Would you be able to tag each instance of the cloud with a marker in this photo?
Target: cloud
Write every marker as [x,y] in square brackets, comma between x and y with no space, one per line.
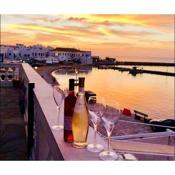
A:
[34,18]
[67,30]
[163,23]
[77,19]
[45,19]
[159,22]
[15,37]
[129,33]
[52,39]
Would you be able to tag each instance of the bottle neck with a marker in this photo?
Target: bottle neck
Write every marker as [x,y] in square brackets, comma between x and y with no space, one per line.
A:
[81,89]
[71,92]
[81,97]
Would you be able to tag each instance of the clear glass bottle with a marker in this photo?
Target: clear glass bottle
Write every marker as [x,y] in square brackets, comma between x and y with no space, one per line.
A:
[80,121]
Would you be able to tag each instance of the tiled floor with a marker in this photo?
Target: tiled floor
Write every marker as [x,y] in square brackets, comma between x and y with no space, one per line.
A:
[12,131]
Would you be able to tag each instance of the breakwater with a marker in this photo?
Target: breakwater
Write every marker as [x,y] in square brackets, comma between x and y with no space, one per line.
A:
[131,63]
[135,71]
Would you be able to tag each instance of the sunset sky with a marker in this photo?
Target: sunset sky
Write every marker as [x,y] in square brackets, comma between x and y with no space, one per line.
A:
[104,35]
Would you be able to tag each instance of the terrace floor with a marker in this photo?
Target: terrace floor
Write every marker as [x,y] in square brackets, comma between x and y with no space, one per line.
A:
[12,129]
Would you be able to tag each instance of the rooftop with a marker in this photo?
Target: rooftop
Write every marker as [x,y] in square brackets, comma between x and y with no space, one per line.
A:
[67,49]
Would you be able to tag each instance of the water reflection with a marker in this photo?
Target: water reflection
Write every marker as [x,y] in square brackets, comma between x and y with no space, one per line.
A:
[72,70]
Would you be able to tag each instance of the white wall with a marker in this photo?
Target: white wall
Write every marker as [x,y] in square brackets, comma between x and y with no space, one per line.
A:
[41,53]
[21,51]
[84,57]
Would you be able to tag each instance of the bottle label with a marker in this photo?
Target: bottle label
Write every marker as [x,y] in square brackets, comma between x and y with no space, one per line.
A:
[68,123]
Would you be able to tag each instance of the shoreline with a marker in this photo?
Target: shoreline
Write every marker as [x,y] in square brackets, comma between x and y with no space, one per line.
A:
[46,71]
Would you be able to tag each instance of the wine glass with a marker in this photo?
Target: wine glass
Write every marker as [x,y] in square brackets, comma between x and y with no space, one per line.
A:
[95,113]
[64,90]
[58,96]
[109,119]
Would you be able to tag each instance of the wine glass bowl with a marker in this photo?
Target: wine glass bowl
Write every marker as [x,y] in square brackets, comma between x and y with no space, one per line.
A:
[96,106]
[95,119]
[58,96]
[108,124]
[63,90]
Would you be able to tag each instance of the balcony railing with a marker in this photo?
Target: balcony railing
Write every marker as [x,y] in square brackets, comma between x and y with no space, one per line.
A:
[8,74]
[40,115]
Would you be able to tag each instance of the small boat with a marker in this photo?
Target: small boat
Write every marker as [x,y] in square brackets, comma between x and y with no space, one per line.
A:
[134,71]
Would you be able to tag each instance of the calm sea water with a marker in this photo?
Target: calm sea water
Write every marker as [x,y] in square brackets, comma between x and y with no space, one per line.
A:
[151,94]
[147,59]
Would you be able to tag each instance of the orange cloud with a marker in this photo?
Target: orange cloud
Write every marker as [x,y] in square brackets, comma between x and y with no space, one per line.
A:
[44,19]
[67,30]
[13,37]
[159,22]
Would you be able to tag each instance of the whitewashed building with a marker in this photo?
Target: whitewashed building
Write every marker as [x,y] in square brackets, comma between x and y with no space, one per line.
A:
[31,52]
[5,50]
[72,54]
[51,60]
[47,54]
[20,51]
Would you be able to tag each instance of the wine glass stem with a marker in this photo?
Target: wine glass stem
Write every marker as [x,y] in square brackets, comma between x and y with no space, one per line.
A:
[109,142]
[58,114]
[95,134]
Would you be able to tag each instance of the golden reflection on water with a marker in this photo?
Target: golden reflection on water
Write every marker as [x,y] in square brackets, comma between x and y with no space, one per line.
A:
[151,94]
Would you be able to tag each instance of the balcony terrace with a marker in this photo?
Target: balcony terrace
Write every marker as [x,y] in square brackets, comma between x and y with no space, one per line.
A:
[28,112]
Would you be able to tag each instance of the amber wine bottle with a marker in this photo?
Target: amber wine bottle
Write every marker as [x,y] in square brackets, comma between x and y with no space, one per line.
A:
[69,105]
[80,121]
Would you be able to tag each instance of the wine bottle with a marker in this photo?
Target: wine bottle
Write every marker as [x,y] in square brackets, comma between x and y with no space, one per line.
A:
[69,105]
[80,121]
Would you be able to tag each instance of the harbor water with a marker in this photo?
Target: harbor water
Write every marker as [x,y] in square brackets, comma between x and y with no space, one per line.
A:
[148,93]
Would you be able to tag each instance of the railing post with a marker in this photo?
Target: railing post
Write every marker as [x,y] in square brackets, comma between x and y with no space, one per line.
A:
[30,127]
